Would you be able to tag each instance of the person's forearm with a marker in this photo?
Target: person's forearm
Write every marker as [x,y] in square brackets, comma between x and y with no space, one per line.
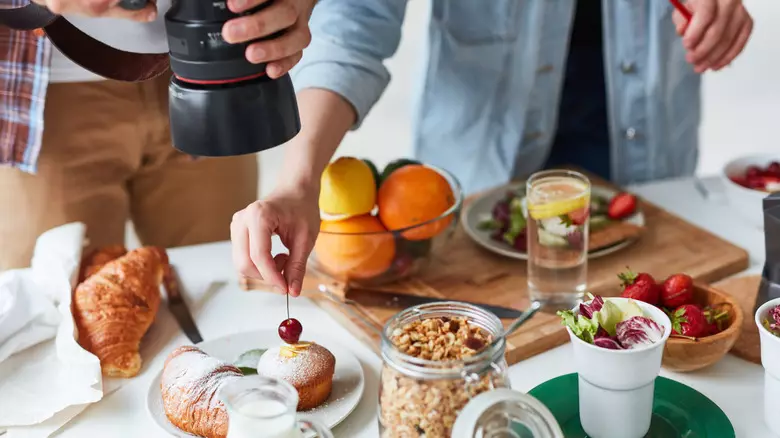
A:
[325,119]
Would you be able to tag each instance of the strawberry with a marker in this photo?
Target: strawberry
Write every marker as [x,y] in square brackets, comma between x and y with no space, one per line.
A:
[676,291]
[578,217]
[621,206]
[716,319]
[689,320]
[640,287]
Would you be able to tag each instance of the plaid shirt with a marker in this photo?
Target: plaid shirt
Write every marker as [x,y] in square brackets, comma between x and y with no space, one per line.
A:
[24,76]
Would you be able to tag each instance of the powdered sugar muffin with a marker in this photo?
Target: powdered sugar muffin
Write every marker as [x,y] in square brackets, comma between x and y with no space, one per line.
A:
[307,366]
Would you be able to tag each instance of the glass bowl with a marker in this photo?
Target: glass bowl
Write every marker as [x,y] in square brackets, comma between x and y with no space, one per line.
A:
[376,258]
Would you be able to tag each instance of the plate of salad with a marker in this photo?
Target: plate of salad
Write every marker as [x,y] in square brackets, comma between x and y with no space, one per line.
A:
[497,221]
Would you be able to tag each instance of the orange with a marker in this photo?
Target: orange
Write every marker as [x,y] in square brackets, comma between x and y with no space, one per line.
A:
[349,254]
[412,195]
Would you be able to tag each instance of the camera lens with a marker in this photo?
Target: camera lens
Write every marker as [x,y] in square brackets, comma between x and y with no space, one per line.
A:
[220,103]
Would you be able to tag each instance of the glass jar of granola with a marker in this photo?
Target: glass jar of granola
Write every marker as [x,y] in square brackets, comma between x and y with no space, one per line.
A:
[436,358]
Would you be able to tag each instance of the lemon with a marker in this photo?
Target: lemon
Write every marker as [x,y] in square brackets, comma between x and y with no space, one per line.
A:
[556,197]
[347,188]
[557,208]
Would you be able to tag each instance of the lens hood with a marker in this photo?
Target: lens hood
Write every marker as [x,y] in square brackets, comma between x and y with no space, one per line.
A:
[232,119]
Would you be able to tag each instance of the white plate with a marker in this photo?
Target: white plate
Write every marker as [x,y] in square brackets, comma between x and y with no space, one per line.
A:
[348,380]
[481,208]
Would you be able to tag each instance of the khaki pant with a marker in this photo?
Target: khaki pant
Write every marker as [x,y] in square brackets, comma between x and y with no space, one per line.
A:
[106,159]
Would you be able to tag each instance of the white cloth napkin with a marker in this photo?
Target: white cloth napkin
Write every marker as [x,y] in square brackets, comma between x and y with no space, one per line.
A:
[27,316]
[50,382]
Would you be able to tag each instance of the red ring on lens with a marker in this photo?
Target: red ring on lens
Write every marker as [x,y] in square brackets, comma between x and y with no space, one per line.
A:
[219,81]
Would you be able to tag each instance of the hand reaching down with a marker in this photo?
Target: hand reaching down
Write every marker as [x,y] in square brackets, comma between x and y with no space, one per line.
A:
[291,213]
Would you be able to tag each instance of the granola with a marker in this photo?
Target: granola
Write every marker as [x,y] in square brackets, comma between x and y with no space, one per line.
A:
[412,407]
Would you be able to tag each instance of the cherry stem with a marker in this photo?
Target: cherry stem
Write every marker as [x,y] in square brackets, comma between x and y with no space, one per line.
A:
[288,305]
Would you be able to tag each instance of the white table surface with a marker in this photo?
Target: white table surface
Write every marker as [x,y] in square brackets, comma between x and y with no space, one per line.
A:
[735,385]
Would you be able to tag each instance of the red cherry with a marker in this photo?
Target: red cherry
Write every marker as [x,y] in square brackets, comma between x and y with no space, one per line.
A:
[290,330]
[773,168]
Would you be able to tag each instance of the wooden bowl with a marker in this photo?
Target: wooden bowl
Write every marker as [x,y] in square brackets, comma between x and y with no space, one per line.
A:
[684,355]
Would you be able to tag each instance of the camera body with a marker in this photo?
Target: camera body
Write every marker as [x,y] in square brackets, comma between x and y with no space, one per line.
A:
[220,103]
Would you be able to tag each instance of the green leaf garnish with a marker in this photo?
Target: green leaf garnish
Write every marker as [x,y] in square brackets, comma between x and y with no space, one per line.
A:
[247,371]
[566,220]
[517,222]
[489,225]
[247,361]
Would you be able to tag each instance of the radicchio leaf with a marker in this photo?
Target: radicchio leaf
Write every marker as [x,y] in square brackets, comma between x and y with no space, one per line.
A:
[588,309]
[638,331]
[607,342]
[772,322]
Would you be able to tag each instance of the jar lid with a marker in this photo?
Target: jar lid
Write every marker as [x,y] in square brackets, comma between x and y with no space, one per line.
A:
[504,413]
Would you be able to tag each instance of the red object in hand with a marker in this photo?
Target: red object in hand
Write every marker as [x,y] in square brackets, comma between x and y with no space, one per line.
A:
[290,330]
[681,8]
[621,206]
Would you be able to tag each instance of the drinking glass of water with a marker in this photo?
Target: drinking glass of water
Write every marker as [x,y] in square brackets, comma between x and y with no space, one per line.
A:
[262,407]
[558,203]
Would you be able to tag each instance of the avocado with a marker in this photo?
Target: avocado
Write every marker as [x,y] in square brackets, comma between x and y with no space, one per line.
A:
[395,165]
[374,171]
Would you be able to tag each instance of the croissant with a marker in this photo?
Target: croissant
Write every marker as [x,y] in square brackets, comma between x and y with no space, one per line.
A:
[189,384]
[98,258]
[114,307]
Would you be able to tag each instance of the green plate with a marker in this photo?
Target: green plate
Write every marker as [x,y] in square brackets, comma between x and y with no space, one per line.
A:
[679,411]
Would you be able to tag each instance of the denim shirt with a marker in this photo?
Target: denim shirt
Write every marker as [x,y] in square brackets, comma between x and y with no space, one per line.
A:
[487,105]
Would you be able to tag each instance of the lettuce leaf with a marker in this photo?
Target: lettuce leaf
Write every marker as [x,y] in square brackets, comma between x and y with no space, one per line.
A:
[608,317]
[582,327]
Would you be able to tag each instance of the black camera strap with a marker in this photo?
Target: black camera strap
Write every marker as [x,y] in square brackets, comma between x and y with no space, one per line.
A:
[93,55]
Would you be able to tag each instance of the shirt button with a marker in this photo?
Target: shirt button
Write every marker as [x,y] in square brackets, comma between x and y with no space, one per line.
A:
[534,135]
[547,68]
[628,67]
[630,134]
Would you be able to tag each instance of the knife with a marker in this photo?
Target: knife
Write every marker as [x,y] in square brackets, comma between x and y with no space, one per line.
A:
[367,297]
[389,299]
[178,307]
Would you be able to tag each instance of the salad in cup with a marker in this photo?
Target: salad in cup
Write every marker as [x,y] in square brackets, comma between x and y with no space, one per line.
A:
[617,346]
[772,321]
[615,325]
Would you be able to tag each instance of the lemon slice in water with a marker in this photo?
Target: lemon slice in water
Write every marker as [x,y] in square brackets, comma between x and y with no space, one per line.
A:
[557,208]
[556,198]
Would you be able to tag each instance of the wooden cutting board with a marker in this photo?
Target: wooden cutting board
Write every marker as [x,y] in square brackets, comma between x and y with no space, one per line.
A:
[745,291]
[465,271]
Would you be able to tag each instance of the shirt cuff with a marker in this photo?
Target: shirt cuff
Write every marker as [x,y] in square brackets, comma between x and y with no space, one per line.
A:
[13,4]
[359,79]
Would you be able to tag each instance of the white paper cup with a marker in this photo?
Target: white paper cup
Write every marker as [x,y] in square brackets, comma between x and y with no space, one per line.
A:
[770,359]
[616,386]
